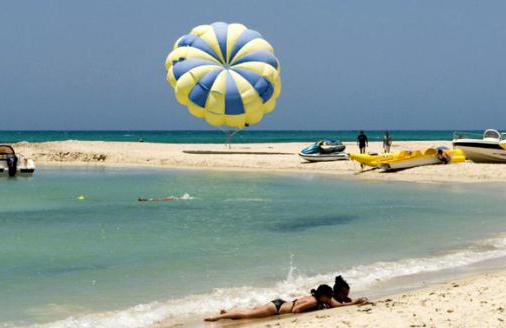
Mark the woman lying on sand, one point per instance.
(320, 298)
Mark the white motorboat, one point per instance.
(13, 164)
(487, 148)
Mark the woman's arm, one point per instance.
(357, 301)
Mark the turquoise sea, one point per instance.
(228, 239)
(216, 136)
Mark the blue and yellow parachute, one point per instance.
(225, 73)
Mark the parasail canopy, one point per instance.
(224, 73)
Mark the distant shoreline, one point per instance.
(129, 154)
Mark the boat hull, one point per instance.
(482, 152)
(409, 163)
(21, 170)
(324, 157)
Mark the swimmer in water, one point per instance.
(166, 199)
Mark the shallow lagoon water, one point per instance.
(234, 238)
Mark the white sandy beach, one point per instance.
(277, 157)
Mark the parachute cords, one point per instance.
(228, 136)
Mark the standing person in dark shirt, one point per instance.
(362, 142)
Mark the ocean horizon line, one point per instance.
(256, 130)
(215, 136)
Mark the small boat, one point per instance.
(487, 148)
(324, 151)
(12, 164)
(405, 159)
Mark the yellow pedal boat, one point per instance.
(405, 159)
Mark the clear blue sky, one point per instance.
(425, 64)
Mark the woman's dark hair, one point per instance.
(340, 286)
(340, 283)
(322, 290)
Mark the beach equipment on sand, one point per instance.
(487, 148)
(225, 74)
(407, 159)
(324, 151)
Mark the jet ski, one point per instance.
(324, 151)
